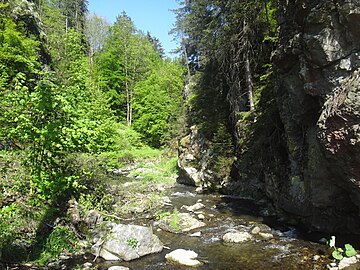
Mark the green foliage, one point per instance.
(339, 253)
(161, 170)
(174, 220)
(223, 154)
(8, 223)
(61, 239)
(158, 103)
(349, 250)
(132, 242)
(161, 215)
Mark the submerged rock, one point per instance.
(237, 237)
(183, 257)
(127, 242)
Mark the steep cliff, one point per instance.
(302, 151)
(315, 173)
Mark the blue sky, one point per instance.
(148, 15)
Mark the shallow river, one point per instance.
(289, 249)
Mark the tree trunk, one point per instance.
(249, 82)
(127, 88)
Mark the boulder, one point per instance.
(183, 257)
(195, 207)
(237, 237)
(180, 222)
(127, 242)
(195, 160)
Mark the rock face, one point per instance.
(303, 151)
(318, 98)
(127, 242)
(309, 164)
(194, 157)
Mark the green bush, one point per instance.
(61, 239)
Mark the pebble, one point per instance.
(196, 234)
(201, 216)
(322, 241)
(266, 236)
(195, 207)
(316, 257)
(118, 268)
(199, 190)
(256, 230)
(87, 265)
(64, 257)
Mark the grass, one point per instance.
(163, 170)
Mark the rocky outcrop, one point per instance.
(194, 160)
(301, 149)
(317, 68)
(314, 168)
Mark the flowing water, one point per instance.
(289, 249)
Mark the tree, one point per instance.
(19, 68)
(231, 34)
(155, 42)
(97, 31)
(158, 103)
(126, 59)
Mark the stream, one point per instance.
(290, 248)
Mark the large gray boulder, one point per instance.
(127, 242)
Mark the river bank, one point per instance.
(134, 198)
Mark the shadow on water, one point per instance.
(241, 207)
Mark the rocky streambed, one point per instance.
(207, 231)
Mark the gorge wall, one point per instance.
(302, 152)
